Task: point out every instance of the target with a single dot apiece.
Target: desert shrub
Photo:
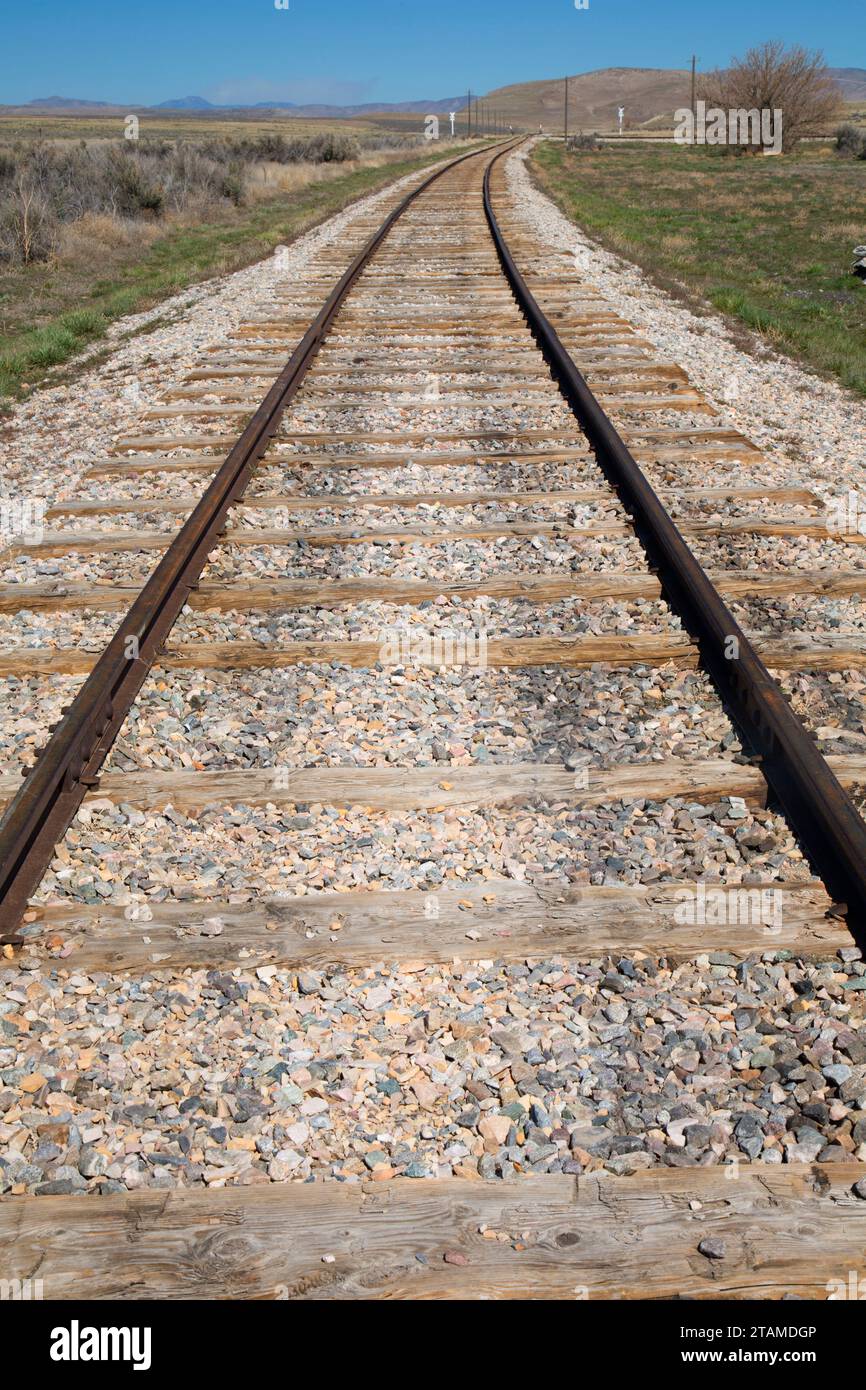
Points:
(130, 182)
(46, 187)
(584, 142)
(392, 140)
(851, 140)
(28, 228)
(186, 174)
(8, 166)
(332, 148)
(326, 148)
(232, 183)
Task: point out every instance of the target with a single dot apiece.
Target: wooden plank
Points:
(612, 400)
(97, 542)
(101, 542)
(157, 443)
(402, 789)
(432, 650)
(510, 784)
(499, 919)
(714, 433)
(786, 1228)
(402, 392)
(154, 463)
(284, 594)
(336, 357)
(394, 391)
(346, 346)
(401, 439)
(294, 501)
(427, 650)
(723, 453)
(795, 653)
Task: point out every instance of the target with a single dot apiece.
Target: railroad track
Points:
(464, 434)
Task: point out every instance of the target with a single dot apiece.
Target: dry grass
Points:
(97, 232)
(269, 180)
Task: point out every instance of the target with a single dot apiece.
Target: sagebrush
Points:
(45, 186)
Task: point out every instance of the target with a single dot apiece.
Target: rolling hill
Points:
(593, 98)
(647, 94)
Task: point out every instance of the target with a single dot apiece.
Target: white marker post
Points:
(621, 114)
(451, 115)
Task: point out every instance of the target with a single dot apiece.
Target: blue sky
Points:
(145, 51)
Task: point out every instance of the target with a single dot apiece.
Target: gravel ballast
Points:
(483, 1069)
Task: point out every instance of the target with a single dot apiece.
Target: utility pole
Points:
(566, 113)
(468, 113)
(694, 108)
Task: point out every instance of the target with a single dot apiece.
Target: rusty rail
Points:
(68, 765)
(825, 818)
(830, 828)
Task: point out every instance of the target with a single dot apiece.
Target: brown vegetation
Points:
(773, 78)
(46, 188)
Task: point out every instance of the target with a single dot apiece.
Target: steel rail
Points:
(69, 763)
(825, 818)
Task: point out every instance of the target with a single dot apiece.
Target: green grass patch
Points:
(766, 242)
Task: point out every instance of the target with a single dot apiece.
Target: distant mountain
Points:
(196, 103)
(434, 107)
(184, 104)
(68, 103)
(852, 81)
